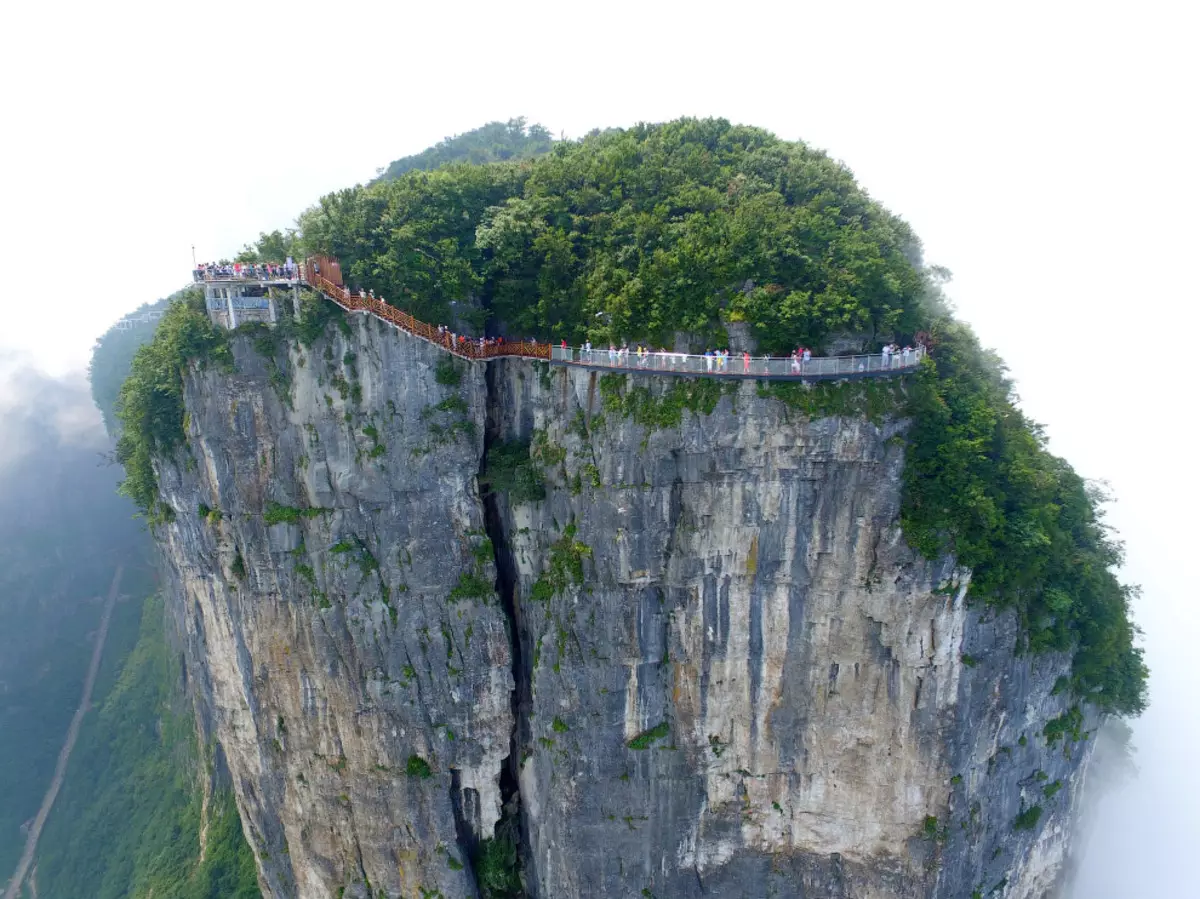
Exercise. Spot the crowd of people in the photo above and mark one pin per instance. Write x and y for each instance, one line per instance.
(451, 340)
(246, 271)
(721, 361)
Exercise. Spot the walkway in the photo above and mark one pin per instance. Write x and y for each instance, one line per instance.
(467, 349)
(774, 368)
(60, 770)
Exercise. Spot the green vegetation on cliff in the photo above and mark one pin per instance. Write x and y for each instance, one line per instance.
(980, 483)
(150, 404)
(112, 355)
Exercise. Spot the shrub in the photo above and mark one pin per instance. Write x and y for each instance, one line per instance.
(1069, 723)
(471, 586)
(509, 468)
(1028, 819)
(274, 513)
(150, 403)
(497, 869)
(448, 372)
(565, 566)
(648, 738)
(315, 315)
(418, 767)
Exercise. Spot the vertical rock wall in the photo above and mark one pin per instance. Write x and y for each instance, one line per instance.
(730, 675)
(756, 688)
(363, 706)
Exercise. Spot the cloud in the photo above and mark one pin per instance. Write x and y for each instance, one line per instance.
(37, 410)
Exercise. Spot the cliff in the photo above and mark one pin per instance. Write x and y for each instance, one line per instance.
(693, 657)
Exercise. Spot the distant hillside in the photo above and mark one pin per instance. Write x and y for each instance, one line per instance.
(494, 142)
(112, 355)
(63, 531)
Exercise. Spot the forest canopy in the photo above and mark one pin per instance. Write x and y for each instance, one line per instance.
(633, 235)
(494, 142)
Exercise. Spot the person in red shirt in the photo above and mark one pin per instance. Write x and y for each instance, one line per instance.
(745, 362)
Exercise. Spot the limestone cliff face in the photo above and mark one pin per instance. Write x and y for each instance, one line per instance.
(336, 661)
(713, 667)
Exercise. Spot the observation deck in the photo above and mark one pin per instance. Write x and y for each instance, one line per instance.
(237, 294)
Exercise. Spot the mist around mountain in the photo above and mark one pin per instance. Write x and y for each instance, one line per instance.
(127, 820)
(63, 529)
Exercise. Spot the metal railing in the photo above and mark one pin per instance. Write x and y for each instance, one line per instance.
(740, 365)
(247, 273)
(128, 322)
(650, 362)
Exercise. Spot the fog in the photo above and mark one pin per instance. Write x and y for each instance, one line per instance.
(1046, 153)
(38, 410)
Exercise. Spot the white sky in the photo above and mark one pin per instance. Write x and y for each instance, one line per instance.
(1045, 152)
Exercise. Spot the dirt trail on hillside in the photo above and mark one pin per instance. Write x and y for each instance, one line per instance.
(64, 755)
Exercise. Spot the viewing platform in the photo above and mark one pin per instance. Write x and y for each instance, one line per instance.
(236, 295)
